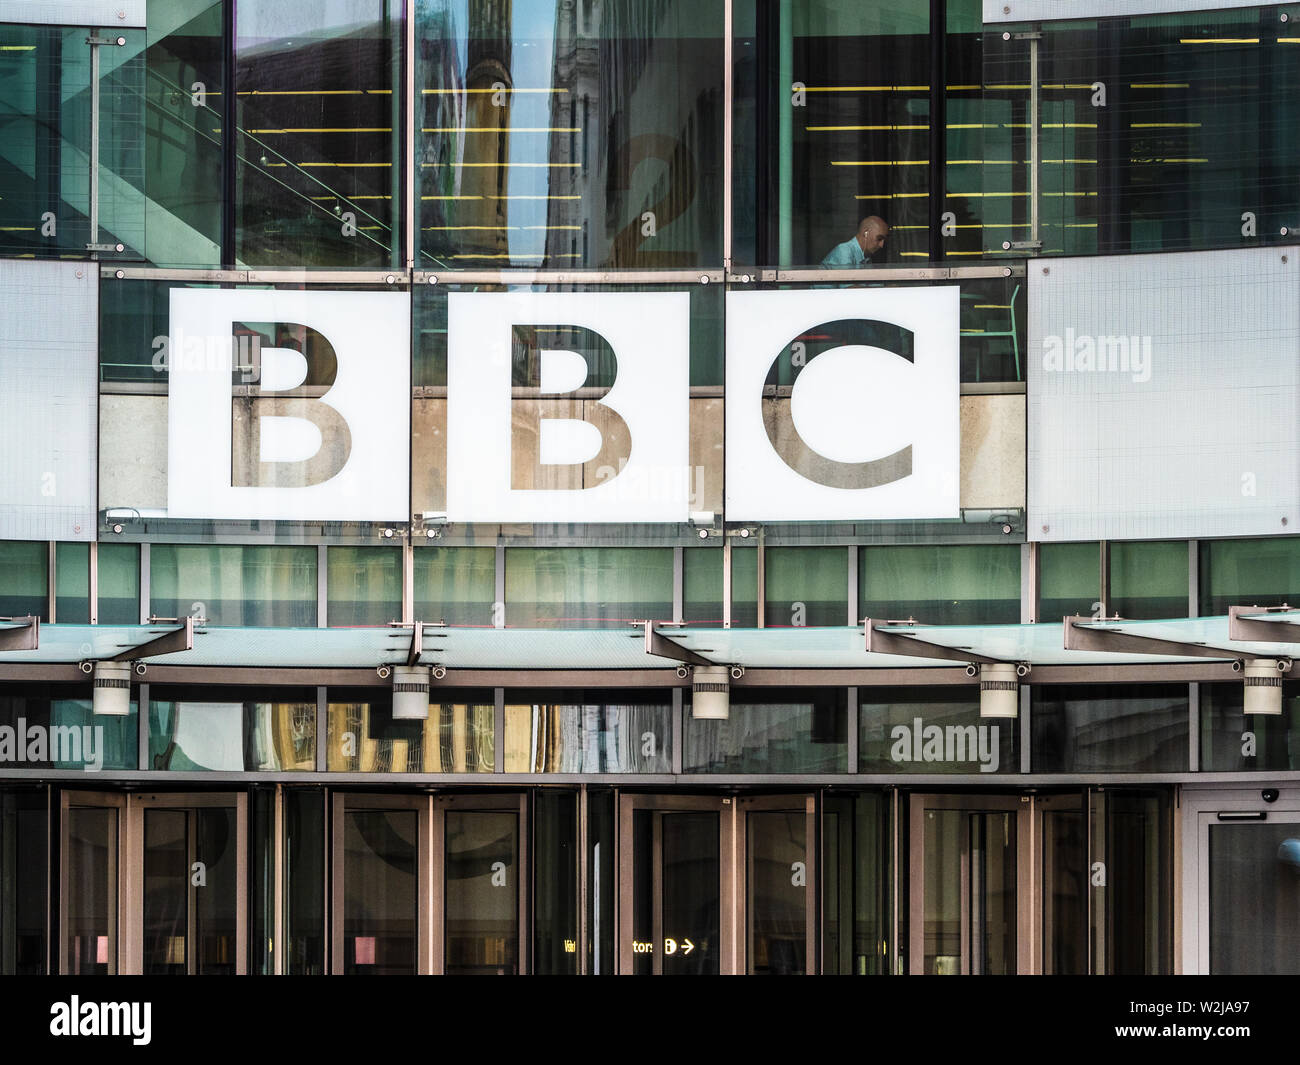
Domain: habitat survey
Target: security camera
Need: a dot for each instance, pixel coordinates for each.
(683, 672)
(439, 672)
(1269, 794)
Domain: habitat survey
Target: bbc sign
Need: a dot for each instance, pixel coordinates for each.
(563, 407)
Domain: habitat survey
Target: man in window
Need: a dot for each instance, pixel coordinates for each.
(858, 249)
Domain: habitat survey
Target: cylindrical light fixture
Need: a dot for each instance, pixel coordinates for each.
(410, 693)
(112, 689)
(711, 693)
(999, 690)
(1263, 687)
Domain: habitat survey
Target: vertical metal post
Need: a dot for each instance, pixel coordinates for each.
(402, 145)
(938, 124)
(679, 730)
(1103, 569)
(726, 583)
(728, 107)
(322, 586)
(1034, 90)
(142, 727)
(499, 725)
(1193, 579)
(51, 581)
(679, 582)
(94, 144)
(408, 581)
(144, 584)
(853, 618)
(1194, 726)
(1028, 583)
(1026, 731)
(322, 726)
(229, 136)
(499, 605)
(93, 593)
(852, 726)
(762, 581)
(785, 136)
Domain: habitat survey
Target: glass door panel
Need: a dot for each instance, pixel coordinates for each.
(91, 846)
(969, 885)
(779, 885)
(1254, 904)
(675, 898)
(189, 892)
(481, 921)
(1065, 887)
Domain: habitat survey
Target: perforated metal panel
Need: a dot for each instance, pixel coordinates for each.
(48, 392)
(1163, 394)
(996, 11)
(94, 14)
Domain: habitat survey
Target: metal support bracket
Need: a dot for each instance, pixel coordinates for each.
(25, 635)
(1083, 634)
(1244, 624)
(896, 643)
(658, 644)
(170, 642)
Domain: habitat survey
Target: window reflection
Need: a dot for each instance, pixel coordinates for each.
(571, 133)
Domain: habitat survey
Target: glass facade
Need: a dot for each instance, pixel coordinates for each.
(313, 233)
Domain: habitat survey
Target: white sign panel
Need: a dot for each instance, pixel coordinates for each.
(568, 448)
(1162, 395)
(842, 404)
(335, 450)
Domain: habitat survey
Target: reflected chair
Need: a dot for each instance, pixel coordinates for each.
(1009, 331)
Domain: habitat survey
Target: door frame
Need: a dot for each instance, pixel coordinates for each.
(812, 860)
(134, 889)
(729, 961)
(1028, 904)
(122, 930)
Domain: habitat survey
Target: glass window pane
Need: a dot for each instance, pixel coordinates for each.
(24, 587)
(571, 135)
(1248, 573)
(72, 584)
(217, 730)
(833, 106)
(1148, 580)
(455, 585)
(318, 117)
(364, 585)
(1069, 578)
(776, 900)
(63, 732)
(119, 584)
(232, 585)
(1109, 728)
(1233, 742)
(857, 907)
(744, 588)
(805, 586)
(932, 730)
(966, 584)
(800, 735)
(702, 586)
(594, 587)
(625, 736)
(457, 737)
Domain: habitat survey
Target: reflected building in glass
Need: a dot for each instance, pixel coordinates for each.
(449, 501)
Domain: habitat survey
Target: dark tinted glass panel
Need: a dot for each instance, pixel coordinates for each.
(935, 730)
(1069, 580)
(72, 584)
(967, 584)
(595, 587)
(690, 885)
(364, 586)
(857, 912)
(91, 933)
(1248, 573)
(1254, 899)
(555, 883)
(798, 736)
(777, 893)
(304, 901)
(24, 861)
(231, 585)
(23, 579)
(1105, 728)
(318, 117)
(1148, 580)
(55, 726)
(215, 730)
(805, 586)
(456, 585)
(1232, 741)
(119, 584)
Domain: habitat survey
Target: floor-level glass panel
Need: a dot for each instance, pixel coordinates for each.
(380, 884)
(1255, 898)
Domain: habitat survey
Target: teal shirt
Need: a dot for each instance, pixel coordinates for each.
(847, 254)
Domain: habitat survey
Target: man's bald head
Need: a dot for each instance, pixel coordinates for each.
(872, 232)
